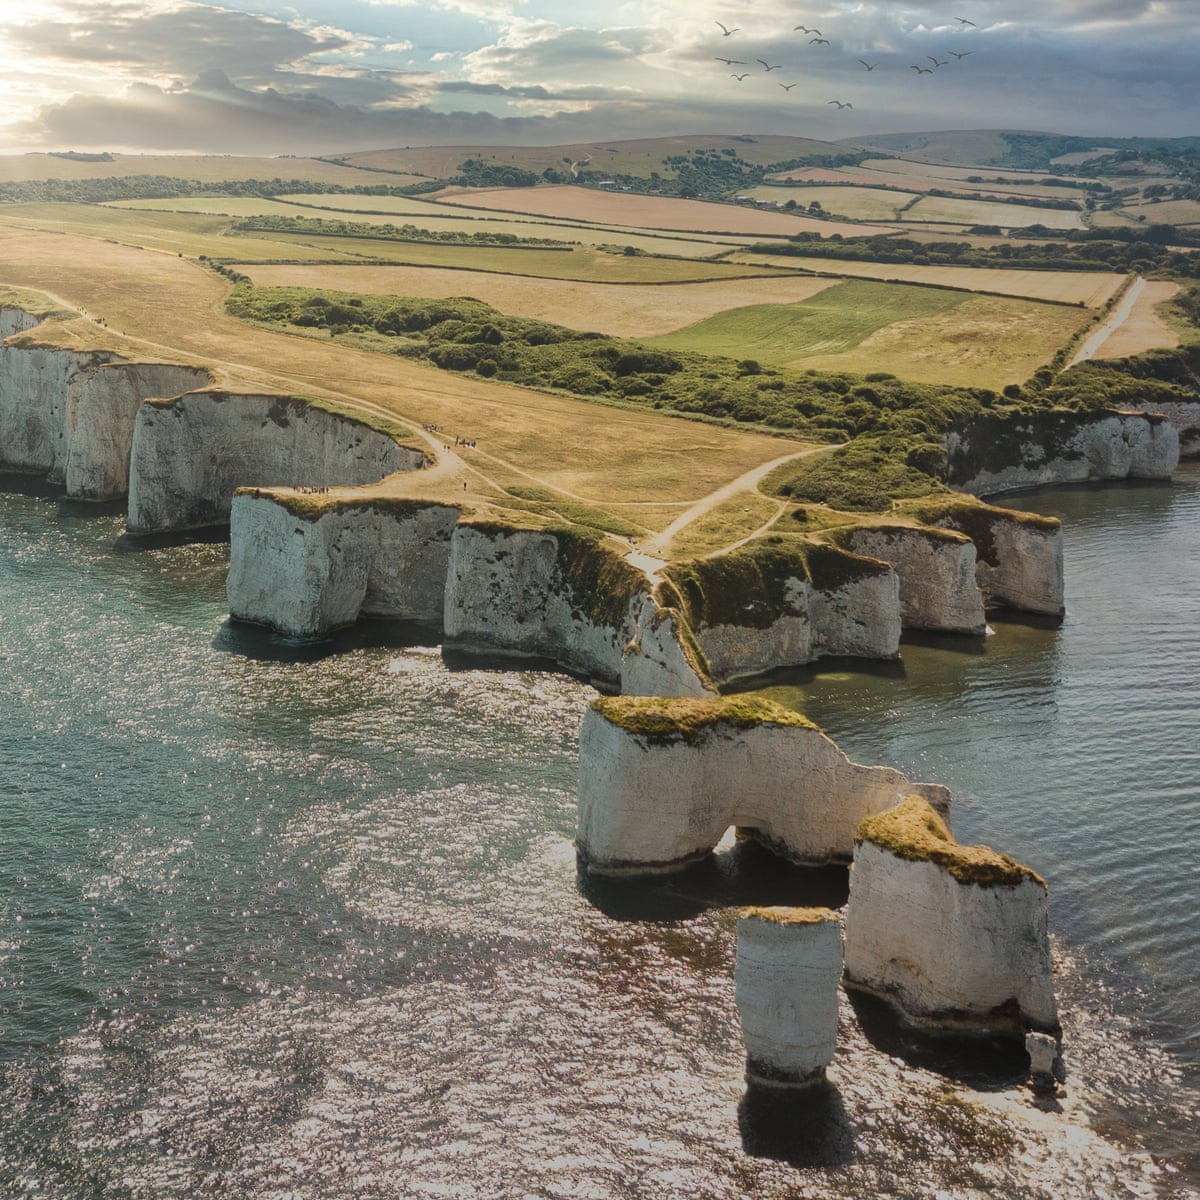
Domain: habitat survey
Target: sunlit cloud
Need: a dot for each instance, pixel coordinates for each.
(167, 73)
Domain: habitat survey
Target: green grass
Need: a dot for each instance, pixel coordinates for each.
(833, 321)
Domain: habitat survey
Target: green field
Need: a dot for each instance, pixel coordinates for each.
(830, 323)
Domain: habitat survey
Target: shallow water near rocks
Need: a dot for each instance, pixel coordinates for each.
(305, 921)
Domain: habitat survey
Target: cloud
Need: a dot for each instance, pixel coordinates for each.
(182, 74)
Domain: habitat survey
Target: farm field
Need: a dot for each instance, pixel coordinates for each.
(899, 174)
(191, 234)
(637, 156)
(212, 168)
(620, 310)
(987, 341)
(833, 322)
(980, 212)
(1143, 329)
(647, 212)
(1169, 212)
(852, 203)
(577, 262)
(168, 307)
(1089, 288)
(399, 210)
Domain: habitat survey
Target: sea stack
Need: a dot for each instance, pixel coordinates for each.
(789, 963)
(953, 936)
(662, 778)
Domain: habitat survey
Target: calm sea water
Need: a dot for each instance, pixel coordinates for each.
(305, 922)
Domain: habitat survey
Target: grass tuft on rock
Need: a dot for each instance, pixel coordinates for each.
(664, 720)
(914, 832)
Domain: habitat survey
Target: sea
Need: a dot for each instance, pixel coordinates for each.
(304, 922)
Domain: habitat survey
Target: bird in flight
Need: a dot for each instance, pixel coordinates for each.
(739, 78)
(727, 32)
(787, 87)
(937, 62)
(964, 21)
(820, 41)
(805, 29)
(841, 104)
(869, 66)
(730, 62)
(922, 70)
(767, 66)
(963, 54)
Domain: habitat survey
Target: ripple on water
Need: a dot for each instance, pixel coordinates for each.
(310, 927)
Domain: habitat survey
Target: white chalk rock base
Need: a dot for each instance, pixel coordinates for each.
(789, 963)
(954, 936)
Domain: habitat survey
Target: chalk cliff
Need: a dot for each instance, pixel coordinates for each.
(780, 603)
(305, 569)
(661, 780)
(37, 386)
(100, 417)
(1019, 556)
(789, 965)
(69, 415)
(936, 570)
(192, 452)
(1184, 417)
(993, 456)
(562, 594)
(954, 936)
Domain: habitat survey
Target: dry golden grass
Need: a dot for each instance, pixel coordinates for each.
(211, 168)
(621, 310)
(981, 212)
(735, 519)
(168, 306)
(1167, 212)
(1090, 288)
(637, 156)
(191, 234)
(853, 203)
(1143, 329)
(920, 178)
(989, 341)
(597, 206)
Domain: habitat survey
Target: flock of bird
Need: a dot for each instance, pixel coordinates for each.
(818, 39)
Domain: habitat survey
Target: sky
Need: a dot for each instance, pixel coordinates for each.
(323, 76)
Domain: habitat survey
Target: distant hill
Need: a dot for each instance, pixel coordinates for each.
(638, 157)
(1016, 149)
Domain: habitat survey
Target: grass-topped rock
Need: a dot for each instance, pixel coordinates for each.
(914, 832)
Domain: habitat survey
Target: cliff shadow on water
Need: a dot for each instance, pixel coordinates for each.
(260, 644)
(742, 873)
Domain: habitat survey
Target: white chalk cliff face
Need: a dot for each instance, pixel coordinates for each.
(37, 385)
(949, 951)
(190, 454)
(660, 782)
(936, 570)
(1108, 446)
(305, 575)
(792, 620)
(100, 418)
(789, 965)
(551, 594)
(1184, 417)
(70, 415)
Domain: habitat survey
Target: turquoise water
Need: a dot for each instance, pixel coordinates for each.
(281, 921)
